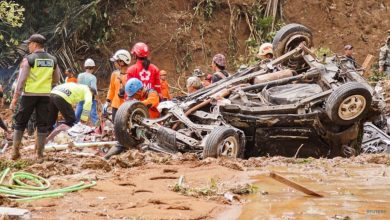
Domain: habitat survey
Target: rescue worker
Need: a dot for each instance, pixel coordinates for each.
(384, 58)
(193, 84)
(218, 65)
(135, 90)
(143, 70)
(348, 56)
(116, 90)
(63, 97)
(266, 53)
(38, 73)
(70, 76)
(164, 86)
(87, 78)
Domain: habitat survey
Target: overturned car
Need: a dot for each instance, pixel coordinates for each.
(294, 105)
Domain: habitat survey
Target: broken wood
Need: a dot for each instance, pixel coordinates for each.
(366, 66)
(163, 178)
(294, 185)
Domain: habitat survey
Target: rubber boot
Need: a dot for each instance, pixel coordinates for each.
(115, 150)
(17, 141)
(40, 145)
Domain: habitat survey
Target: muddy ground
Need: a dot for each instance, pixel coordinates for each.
(144, 186)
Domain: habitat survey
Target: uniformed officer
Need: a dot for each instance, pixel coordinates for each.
(38, 73)
(384, 57)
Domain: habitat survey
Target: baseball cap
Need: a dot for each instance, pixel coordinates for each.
(37, 38)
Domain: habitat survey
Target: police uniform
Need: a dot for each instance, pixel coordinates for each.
(37, 74)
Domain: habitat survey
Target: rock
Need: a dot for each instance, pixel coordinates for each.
(15, 213)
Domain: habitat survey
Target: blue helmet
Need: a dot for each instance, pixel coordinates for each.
(133, 86)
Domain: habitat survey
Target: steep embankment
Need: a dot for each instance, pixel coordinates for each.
(363, 24)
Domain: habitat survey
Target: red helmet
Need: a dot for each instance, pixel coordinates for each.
(140, 50)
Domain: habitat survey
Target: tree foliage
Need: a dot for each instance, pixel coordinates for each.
(11, 16)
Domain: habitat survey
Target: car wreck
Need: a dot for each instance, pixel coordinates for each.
(297, 104)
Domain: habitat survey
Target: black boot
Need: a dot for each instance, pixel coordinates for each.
(115, 150)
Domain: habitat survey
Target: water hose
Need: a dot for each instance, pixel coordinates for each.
(36, 188)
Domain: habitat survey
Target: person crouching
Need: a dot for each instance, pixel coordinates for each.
(62, 98)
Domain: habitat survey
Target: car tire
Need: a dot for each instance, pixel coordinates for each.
(124, 122)
(289, 37)
(224, 141)
(348, 103)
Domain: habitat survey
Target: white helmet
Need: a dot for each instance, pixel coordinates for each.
(265, 49)
(123, 55)
(89, 63)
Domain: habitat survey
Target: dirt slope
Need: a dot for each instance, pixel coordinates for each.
(363, 24)
(181, 39)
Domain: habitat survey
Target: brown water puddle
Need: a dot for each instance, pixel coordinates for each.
(357, 192)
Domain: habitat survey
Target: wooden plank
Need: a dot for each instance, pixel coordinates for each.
(294, 185)
(367, 65)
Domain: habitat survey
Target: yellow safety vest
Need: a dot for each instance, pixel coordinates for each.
(41, 73)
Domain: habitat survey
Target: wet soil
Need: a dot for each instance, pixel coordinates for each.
(141, 186)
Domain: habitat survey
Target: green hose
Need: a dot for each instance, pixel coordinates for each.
(37, 190)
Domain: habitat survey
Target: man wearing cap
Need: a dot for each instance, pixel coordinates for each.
(38, 73)
(348, 55)
(384, 58)
(219, 64)
(87, 78)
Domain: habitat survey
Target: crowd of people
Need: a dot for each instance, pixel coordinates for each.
(38, 88)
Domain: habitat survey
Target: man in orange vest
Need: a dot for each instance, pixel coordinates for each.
(164, 86)
(116, 90)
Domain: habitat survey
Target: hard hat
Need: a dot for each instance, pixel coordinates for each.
(265, 49)
(133, 86)
(194, 82)
(123, 55)
(89, 63)
(219, 59)
(140, 50)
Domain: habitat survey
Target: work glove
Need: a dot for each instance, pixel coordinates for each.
(121, 93)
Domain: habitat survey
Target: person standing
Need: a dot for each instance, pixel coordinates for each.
(164, 86)
(38, 73)
(219, 65)
(384, 58)
(70, 76)
(87, 78)
(143, 70)
(116, 90)
(348, 56)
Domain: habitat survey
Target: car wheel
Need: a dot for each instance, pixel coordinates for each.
(289, 37)
(224, 141)
(348, 103)
(127, 118)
